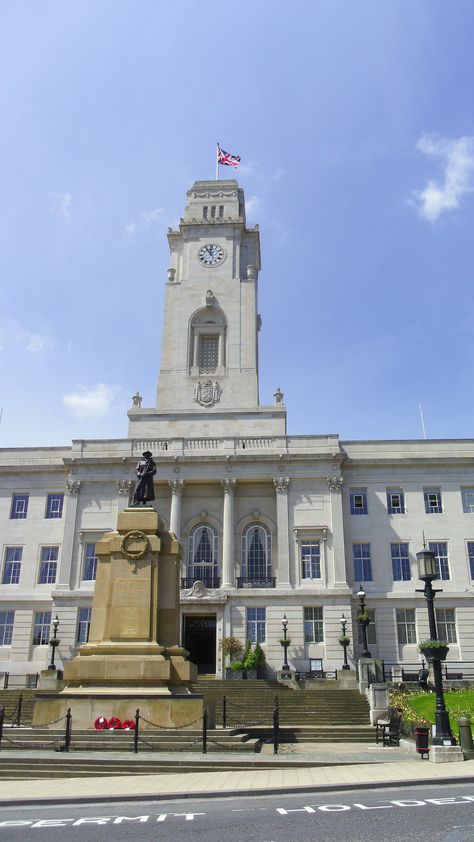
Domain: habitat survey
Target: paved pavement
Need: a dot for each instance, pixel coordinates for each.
(366, 766)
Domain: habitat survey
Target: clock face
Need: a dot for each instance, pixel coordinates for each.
(211, 254)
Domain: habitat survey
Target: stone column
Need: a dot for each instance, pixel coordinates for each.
(228, 572)
(335, 486)
(281, 485)
(72, 493)
(177, 486)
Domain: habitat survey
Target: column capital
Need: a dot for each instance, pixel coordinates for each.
(176, 485)
(334, 483)
(281, 483)
(73, 486)
(228, 485)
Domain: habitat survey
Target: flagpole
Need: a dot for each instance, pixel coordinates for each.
(217, 162)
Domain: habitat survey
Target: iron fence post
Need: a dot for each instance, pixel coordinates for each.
(67, 735)
(224, 712)
(204, 731)
(276, 729)
(135, 733)
(18, 711)
(2, 717)
(5, 680)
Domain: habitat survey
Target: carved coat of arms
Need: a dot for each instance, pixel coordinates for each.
(207, 393)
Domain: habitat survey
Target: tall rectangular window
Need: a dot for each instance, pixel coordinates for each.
(256, 625)
(395, 501)
(440, 549)
(470, 555)
(54, 505)
(12, 566)
(48, 565)
(446, 624)
(371, 629)
(19, 509)
(362, 562)
(7, 619)
(467, 496)
(433, 501)
(358, 501)
(313, 625)
(41, 628)
(90, 563)
(311, 560)
(208, 354)
(400, 562)
(406, 626)
(83, 624)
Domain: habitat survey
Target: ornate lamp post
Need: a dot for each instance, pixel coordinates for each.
(285, 643)
(344, 641)
(54, 643)
(427, 572)
(363, 620)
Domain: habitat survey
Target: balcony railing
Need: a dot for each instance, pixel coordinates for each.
(208, 581)
(256, 581)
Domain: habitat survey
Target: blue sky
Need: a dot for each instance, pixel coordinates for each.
(355, 125)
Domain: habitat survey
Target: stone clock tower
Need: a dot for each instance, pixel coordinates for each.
(208, 382)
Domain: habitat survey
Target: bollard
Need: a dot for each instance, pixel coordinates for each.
(204, 731)
(5, 680)
(18, 711)
(224, 712)
(2, 717)
(67, 735)
(277, 704)
(465, 736)
(135, 733)
(276, 729)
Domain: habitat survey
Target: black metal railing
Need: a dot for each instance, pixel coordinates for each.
(13, 681)
(409, 671)
(208, 581)
(256, 581)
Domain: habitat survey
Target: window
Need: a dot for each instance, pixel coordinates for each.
(205, 211)
(371, 629)
(202, 553)
(440, 549)
(311, 559)
(83, 625)
(208, 354)
(406, 626)
(446, 624)
(362, 562)
(48, 565)
(358, 499)
(313, 625)
(467, 495)
(19, 508)
(54, 505)
(12, 567)
(90, 563)
(395, 501)
(256, 625)
(256, 552)
(400, 562)
(470, 555)
(433, 503)
(213, 211)
(7, 618)
(41, 628)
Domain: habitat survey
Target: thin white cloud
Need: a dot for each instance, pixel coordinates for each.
(152, 215)
(60, 204)
(251, 206)
(456, 159)
(130, 229)
(11, 332)
(90, 403)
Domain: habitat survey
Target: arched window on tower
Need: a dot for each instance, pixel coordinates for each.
(257, 556)
(207, 340)
(203, 556)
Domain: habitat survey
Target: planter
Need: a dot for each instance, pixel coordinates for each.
(250, 673)
(235, 675)
(435, 653)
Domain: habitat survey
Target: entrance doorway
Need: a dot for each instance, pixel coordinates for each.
(200, 641)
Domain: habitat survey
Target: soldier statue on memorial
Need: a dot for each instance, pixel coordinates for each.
(145, 471)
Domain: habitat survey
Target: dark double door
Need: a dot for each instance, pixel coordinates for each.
(200, 641)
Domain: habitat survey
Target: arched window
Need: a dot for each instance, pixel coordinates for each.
(256, 552)
(207, 341)
(202, 554)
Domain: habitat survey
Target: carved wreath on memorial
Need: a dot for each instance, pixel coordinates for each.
(135, 545)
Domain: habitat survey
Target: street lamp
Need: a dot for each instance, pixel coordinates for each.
(54, 642)
(285, 643)
(427, 572)
(363, 619)
(344, 641)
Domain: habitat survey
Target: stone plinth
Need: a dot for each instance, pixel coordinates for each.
(132, 658)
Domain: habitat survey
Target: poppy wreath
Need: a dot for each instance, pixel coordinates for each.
(128, 725)
(115, 724)
(101, 723)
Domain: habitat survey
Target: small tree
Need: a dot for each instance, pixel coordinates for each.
(231, 648)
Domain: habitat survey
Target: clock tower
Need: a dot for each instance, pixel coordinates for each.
(208, 381)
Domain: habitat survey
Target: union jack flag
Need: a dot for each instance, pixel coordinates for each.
(226, 159)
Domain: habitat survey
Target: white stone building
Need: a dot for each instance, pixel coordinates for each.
(270, 523)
